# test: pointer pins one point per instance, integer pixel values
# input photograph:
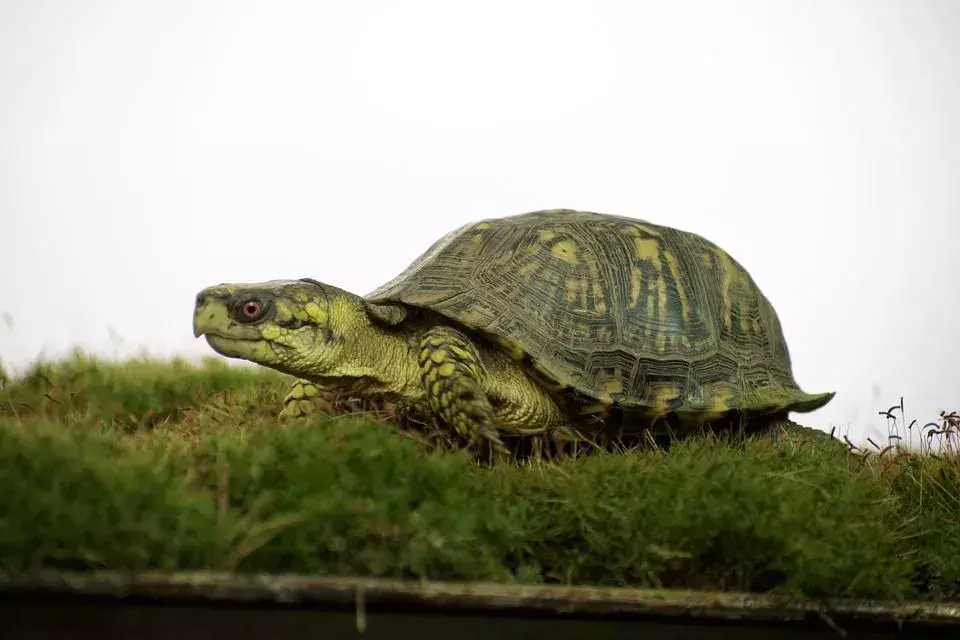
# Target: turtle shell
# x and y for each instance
(620, 311)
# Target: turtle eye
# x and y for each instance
(250, 311)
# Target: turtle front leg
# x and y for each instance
(304, 399)
(452, 374)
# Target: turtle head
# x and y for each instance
(294, 326)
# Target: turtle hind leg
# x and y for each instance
(452, 374)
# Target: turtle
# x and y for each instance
(520, 325)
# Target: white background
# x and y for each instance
(149, 149)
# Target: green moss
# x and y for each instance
(166, 465)
(75, 501)
(132, 394)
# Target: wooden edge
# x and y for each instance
(499, 599)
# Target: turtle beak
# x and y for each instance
(199, 313)
(209, 313)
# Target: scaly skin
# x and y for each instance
(304, 399)
(332, 339)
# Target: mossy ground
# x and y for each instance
(166, 465)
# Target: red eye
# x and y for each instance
(250, 310)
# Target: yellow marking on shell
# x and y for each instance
(744, 315)
(726, 287)
(565, 250)
(746, 297)
(316, 314)
(529, 269)
(732, 279)
(642, 251)
(647, 249)
(613, 384)
(636, 286)
(651, 303)
(546, 235)
(674, 268)
(447, 369)
(662, 319)
(598, 301)
(664, 396)
(720, 400)
(647, 229)
(270, 331)
(575, 293)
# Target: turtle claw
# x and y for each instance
(487, 443)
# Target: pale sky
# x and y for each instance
(149, 149)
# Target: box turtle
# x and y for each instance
(525, 324)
